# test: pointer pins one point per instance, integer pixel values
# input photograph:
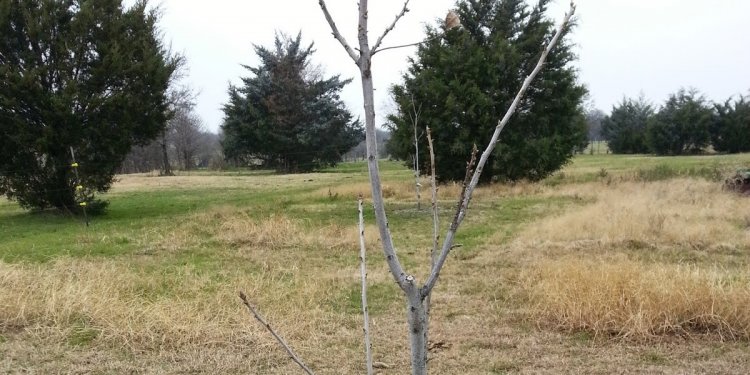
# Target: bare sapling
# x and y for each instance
(414, 116)
(363, 276)
(416, 294)
(435, 226)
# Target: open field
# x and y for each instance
(617, 264)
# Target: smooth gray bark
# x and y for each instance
(363, 276)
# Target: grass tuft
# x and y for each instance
(637, 300)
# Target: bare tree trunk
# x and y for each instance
(417, 320)
(167, 169)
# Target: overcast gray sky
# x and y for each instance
(626, 47)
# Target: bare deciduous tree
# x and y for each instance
(416, 294)
(187, 130)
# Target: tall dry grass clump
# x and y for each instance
(120, 305)
(692, 213)
(114, 304)
(631, 299)
(596, 283)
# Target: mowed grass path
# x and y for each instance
(537, 286)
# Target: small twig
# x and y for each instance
(410, 44)
(363, 274)
(390, 27)
(281, 341)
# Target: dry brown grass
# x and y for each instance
(509, 308)
(117, 305)
(170, 310)
(150, 181)
(239, 229)
(683, 212)
(182, 315)
(633, 299)
(617, 265)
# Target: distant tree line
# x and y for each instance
(359, 152)
(184, 144)
(686, 123)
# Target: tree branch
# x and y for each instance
(401, 46)
(409, 44)
(464, 204)
(435, 231)
(281, 341)
(363, 275)
(390, 28)
(337, 34)
(405, 282)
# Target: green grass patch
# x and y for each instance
(380, 298)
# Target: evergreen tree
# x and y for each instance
(85, 74)
(625, 128)
(730, 128)
(465, 78)
(681, 125)
(285, 115)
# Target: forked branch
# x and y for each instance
(336, 33)
(466, 195)
(278, 338)
(390, 27)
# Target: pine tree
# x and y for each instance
(681, 125)
(625, 128)
(465, 78)
(730, 127)
(89, 75)
(286, 115)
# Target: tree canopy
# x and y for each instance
(85, 74)
(681, 125)
(625, 128)
(463, 79)
(286, 115)
(730, 128)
